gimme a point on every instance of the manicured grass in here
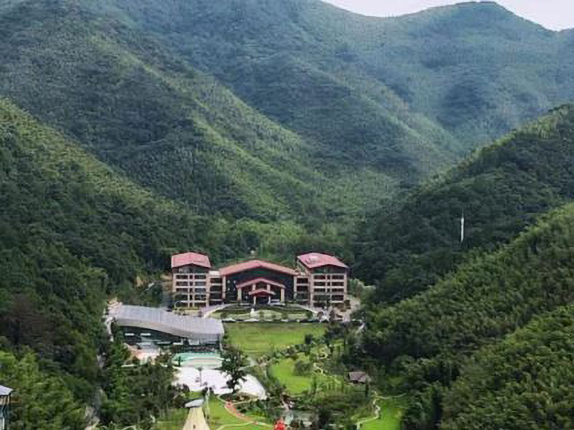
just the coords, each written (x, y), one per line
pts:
(257, 339)
(392, 412)
(295, 384)
(218, 417)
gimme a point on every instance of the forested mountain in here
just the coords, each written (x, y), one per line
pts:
(73, 233)
(541, 355)
(473, 70)
(277, 109)
(428, 340)
(133, 129)
(500, 190)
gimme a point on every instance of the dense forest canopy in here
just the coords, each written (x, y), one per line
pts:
(500, 190)
(427, 340)
(184, 97)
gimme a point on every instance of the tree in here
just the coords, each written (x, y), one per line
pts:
(233, 364)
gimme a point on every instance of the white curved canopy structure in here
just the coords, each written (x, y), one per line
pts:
(199, 329)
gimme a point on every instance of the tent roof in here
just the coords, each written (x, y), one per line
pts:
(5, 391)
(166, 322)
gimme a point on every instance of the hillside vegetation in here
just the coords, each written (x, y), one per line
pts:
(74, 233)
(501, 190)
(281, 110)
(530, 370)
(441, 81)
(429, 338)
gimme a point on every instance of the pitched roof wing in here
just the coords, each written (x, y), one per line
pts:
(315, 259)
(190, 258)
(256, 264)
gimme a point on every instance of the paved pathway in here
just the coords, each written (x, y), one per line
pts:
(208, 310)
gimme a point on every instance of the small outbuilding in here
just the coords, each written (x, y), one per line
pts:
(359, 378)
(5, 394)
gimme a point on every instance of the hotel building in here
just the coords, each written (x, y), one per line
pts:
(318, 280)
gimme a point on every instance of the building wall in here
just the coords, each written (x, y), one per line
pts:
(196, 287)
(327, 285)
(190, 286)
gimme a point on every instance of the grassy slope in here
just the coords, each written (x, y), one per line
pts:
(502, 189)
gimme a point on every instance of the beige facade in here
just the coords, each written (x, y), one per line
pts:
(319, 281)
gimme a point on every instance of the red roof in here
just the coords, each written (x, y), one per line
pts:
(258, 280)
(314, 260)
(190, 258)
(255, 264)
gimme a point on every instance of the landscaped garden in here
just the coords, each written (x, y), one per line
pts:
(216, 416)
(391, 414)
(263, 313)
(299, 365)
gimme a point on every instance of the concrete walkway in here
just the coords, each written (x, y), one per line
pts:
(208, 310)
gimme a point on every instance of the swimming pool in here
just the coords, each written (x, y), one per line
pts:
(198, 359)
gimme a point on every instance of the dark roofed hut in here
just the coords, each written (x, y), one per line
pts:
(359, 378)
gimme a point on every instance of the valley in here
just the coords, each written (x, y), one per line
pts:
(247, 214)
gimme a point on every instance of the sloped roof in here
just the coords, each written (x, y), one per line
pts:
(189, 258)
(166, 322)
(315, 259)
(255, 264)
(359, 377)
(5, 391)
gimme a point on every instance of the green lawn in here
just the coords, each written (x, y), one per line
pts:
(392, 412)
(218, 417)
(283, 371)
(257, 339)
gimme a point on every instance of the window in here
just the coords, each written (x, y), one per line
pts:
(182, 284)
(181, 276)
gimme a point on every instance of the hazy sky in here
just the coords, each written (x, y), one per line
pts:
(554, 14)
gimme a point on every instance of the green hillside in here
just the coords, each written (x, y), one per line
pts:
(301, 111)
(157, 120)
(501, 190)
(426, 341)
(455, 76)
(74, 233)
(530, 370)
